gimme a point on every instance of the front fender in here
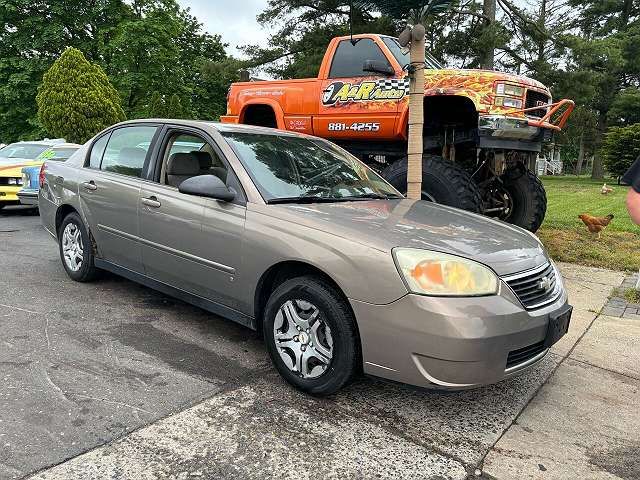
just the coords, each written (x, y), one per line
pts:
(362, 273)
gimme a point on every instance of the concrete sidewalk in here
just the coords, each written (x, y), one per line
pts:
(574, 416)
(584, 421)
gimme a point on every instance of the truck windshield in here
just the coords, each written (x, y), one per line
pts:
(288, 169)
(403, 58)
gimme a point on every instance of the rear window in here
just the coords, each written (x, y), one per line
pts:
(57, 154)
(28, 151)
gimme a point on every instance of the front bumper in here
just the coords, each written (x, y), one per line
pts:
(499, 126)
(450, 343)
(28, 197)
(9, 194)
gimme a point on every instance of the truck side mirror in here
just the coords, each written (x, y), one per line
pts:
(376, 66)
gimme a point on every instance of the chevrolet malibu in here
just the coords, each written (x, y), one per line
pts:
(292, 236)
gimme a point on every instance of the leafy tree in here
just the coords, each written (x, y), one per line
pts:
(76, 99)
(32, 36)
(159, 48)
(621, 147)
(303, 31)
(212, 86)
(605, 54)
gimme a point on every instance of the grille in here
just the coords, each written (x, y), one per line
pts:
(535, 288)
(5, 181)
(532, 100)
(516, 357)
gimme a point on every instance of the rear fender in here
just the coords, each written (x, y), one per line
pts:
(275, 106)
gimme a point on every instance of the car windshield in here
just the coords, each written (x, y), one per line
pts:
(28, 151)
(403, 57)
(57, 154)
(296, 169)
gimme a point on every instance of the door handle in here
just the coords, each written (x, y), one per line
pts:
(151, 202)
(90, 185)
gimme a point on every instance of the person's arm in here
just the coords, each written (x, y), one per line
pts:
(633, 205)
(632, 177)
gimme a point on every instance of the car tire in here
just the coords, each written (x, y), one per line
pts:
(324, 368)
(76, 249)
(442, 182)
(528, 197)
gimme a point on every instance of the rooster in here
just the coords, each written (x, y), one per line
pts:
(604, 190)
(595, 224)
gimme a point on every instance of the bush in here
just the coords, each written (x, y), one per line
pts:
(621, 147)
(76, 99)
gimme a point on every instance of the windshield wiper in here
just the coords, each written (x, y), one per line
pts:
(375, 196)
(307, 199)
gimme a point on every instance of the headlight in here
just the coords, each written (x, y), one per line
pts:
(512, 102)
(15, 181)
(512, 90)
(509, 102)
(440, 274)
(25, 179)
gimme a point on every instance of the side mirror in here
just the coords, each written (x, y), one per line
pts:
(207, 186)
(378, 67)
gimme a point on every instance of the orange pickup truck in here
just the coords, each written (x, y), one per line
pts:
(482, 132)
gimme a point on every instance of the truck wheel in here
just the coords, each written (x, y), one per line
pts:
(528, 199)
(442, 182)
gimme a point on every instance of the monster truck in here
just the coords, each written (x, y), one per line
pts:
(482, 130)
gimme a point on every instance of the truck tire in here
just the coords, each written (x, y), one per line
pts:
(442, 182)
(529, 200)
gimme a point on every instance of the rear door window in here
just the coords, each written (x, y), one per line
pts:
(97, 150)
(126, 150)
(349, 58)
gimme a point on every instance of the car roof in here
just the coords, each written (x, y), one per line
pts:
(65, 145)
(220, 127)
(46, 142)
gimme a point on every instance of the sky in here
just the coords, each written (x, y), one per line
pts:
(234, 20)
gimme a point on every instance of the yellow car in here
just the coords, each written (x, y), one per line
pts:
(13, 158)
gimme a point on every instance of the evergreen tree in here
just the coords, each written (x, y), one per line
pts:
(157, 106)
(621, 147)
(76, 99)
(175, 108)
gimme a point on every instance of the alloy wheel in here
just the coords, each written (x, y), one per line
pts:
(72, 247)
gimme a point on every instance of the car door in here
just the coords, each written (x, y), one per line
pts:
(189, 242)
(109, 189)
(355, 103)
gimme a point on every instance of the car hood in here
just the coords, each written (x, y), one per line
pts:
(386, 224)
(475, 80)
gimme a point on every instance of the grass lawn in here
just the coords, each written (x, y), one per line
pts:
(568, 239)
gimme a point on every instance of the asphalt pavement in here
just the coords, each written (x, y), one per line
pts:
(114, 380)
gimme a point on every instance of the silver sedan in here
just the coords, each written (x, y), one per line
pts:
(292, 236)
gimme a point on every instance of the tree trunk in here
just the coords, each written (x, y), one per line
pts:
(597, 172)
(416, 114)
(488, 56)
(580, 155)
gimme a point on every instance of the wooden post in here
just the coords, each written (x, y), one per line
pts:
(416, 114)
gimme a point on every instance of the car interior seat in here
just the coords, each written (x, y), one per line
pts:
(182, 165)
(207, 166)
